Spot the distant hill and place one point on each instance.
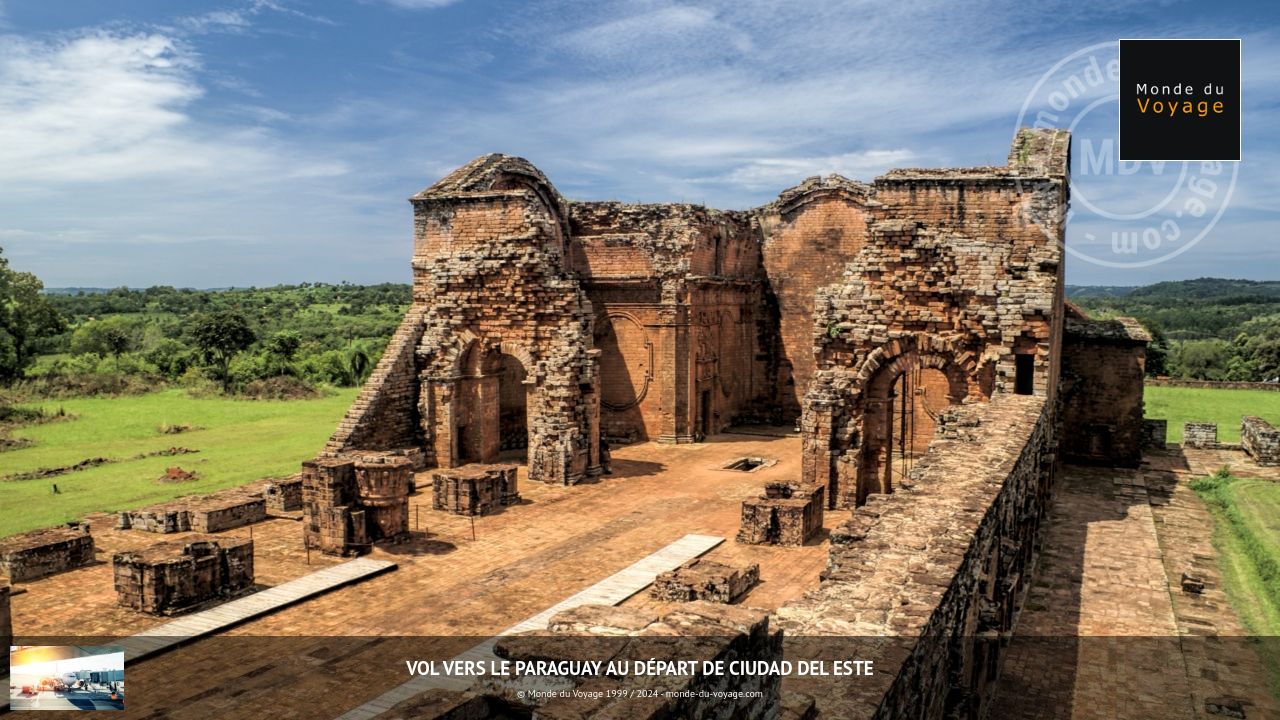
(1078, 292)
(1200, 309)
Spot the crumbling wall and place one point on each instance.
(959, 277)
(787, 514)
(931, 575)
(489, 264)
(1155, 433)
(1200, 435)
(224, 510)
(384, 415)
(702, 579)
(32, 555)
(1260, 440)
(173, 576)
(677, 291)
(809, 234)
(284, 494)
(1103, 366)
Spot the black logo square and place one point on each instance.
(1179, 99)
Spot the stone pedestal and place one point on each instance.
(474, 489)
(787, 514)
(352, 501)
(173, 576)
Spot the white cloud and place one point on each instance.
(102, 107)
(778, 173)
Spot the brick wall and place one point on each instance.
(809, 235)
(35, 554)
(1103, 364)
(924, 574)
(1260, 440)
(1200, 435)
(959, 276)
(173, 576)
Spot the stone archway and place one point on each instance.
(900, 414)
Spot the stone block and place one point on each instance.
(474, 489)
(787, 514)
(701, 579)
(173, 576)
(1260, 440)
(31, 555)
(1200, 435)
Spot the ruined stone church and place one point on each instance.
(856, 312)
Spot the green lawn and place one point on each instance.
(1247, 536)
(240, 441)
(1225, 407)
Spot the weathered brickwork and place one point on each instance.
(1103, 366)
(540, 325)
(351, 501)
(701, 579)
(1260, 440)
(205, 514)
(474, 489)
(787, 514)
(930, 575)
(960, 278)
(1200, 434)
(38, 553)
(1155, 433)
(283, 494)
(173, 576)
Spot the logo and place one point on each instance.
(1124, 213)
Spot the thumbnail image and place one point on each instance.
(66, 677)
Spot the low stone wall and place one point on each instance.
(1260, 440)
(926, 581)
(1200, 435)
(211, 513)
(284, 494)
(169, 577)
(1155, 433)
(787, 514)
(701, 579)
(38, 553)
(1218, 384)
(474, 489)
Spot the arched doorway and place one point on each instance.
(513, 409)
(900, 418)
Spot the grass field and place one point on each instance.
(1247, 536)
(239, 441)
(1225, 407)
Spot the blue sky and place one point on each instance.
(252, 143)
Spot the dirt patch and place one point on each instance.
(178, 475)
(167, 452)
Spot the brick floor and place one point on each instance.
(1106, 631)
(448, 591)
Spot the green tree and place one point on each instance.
(114, 336)
(26, 316)
(284, 346)
(219, 337)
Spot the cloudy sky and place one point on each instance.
(268, 141)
